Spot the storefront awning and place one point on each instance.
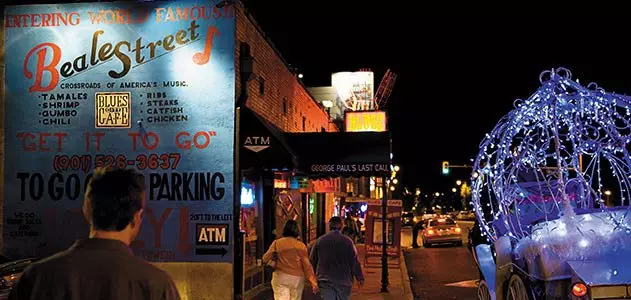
(263, 146)
(345, 154)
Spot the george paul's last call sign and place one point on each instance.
(145, 85)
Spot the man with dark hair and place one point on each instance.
(102, 266)
(418, 226)
(336, 263)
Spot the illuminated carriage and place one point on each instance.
(551, 188)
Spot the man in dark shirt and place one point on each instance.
(102, 266)
(334, 258)
(418, 226)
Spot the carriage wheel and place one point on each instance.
(518, 289)
(483, 291)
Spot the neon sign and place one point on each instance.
(280, 184)
(366, 121)
(247, 194)
(311, 205)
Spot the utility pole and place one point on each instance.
(384, 238)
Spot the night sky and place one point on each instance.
(458, 74)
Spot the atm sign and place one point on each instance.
(211, 234)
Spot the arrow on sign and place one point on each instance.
(211, 251)
(256, 148)
(464, 284)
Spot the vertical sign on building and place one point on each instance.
(126, 85)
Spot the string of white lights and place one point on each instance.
(550, 158)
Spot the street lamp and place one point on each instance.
(395, 181)
(607, 193)
(397, 168)
(437, 194)
(458, 182)
(392, 188)
(454, 190)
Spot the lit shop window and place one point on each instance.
(247, 194)
(249, 222)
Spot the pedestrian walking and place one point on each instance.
(290, 260)
(418, 226)
(101, 266)
(351, 228)
(336, 263)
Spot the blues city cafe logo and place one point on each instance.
(112, 110)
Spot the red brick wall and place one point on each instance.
(280, 84)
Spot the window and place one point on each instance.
(350, 187)
(261, 85)
(284, 105)
(304, 123)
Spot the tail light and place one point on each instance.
(430, 232)
(579, 289)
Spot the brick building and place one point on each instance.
(275, 93)
(283, 103)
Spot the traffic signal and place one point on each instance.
(445, 167)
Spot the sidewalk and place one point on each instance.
(398, 279)
(399, 283)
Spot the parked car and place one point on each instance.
(441, 230)
(10, 274)
(408, 219)
(427, 217)
(466, 215)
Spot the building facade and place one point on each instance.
(278, 97)
(270, 191)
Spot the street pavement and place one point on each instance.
(441, 272)
(398, 289)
